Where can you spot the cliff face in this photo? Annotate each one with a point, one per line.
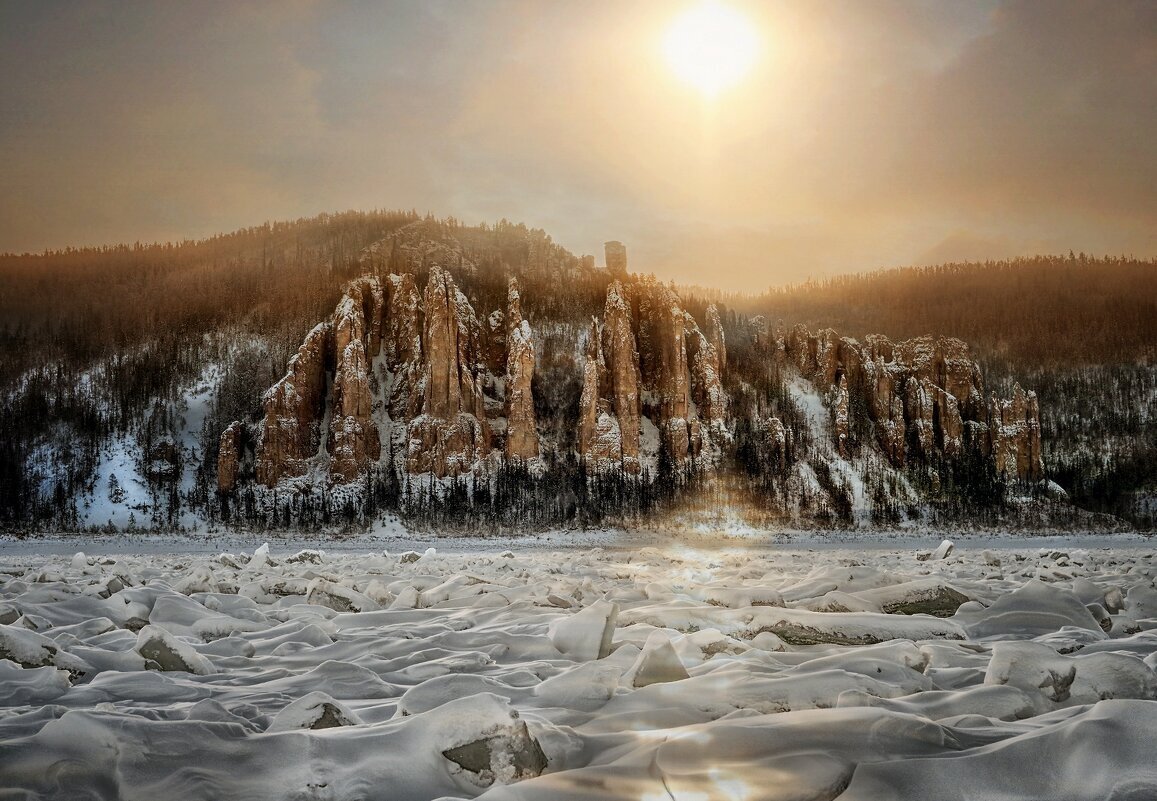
(402, 347)
(414, 375)
(666, 372)
(669, 375)
(294, 406)
(521, 426)
(610, 405)
(924, 398)
(229, 457)
(1015, 435)
(451, 432)
(405, 363)
(354, 441)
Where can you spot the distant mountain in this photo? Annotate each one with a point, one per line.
(331, 371)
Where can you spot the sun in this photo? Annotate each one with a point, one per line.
(711, 46)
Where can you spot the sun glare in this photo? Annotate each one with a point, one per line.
(711, 46)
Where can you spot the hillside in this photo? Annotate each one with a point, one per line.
(480, 377)
(1082, 331)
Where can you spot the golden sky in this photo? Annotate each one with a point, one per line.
(867, 133)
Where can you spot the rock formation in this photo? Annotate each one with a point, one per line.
(665, 371)
(521, 427)
(616, 256)
(593, 443)
(1015, 435)
(451, 392)
(229, 457)
(924, 398)
(609, 432)
(717, 339)
(670, 374)
(354, 441)
(451, 432)
(294, 407)
(708, 354)
(402, 346)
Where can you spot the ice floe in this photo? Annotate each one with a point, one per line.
(986, 671)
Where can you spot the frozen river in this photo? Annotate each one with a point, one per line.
(601, 666)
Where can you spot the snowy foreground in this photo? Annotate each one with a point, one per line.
(645, 674)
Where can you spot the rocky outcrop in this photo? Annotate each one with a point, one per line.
(669, 374)
(665, 370)
(521, 426)
(923, 397)
(610, 411)
(594, 448)
(716, 338)
(402, 346)
(708, 354)
(616, 258)
(418, 371)
(427, 386)
(450, 349)
(294, 407)
(1015, 435)
(229, 457)
(622, 359)
(451, 432)
(354, 443)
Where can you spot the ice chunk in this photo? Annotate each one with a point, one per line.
(943, 550)
(26, 648)
(19, 686)
(1034, 609)
(487, 741)
(163, 651)
(923, 596)
(313, 711)
(338, 597)
(586, 634)
(657, 663)
(307, 556)
(801, 627)
(31, 650)
(1031, 666)
(200, 579)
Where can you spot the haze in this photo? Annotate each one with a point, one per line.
(866, 134)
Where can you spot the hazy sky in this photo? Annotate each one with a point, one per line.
(868, 133)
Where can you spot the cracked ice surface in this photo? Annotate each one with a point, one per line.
(665, 672)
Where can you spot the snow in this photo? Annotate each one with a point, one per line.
(808, 401)
(594, 666)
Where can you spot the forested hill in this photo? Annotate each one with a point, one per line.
(1054, 311)
(121, 367)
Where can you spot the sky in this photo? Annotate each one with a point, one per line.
(867, 133)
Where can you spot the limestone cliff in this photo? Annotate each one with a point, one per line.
(451, 432)
(229, 457)
(923, 398)
(707, 351)
(1015, 435)
(521, 428)
(609, 431)
(408, 377)
(670, 374)
(402, 346)
(665, 370)
(354, 442)
(294, 407)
